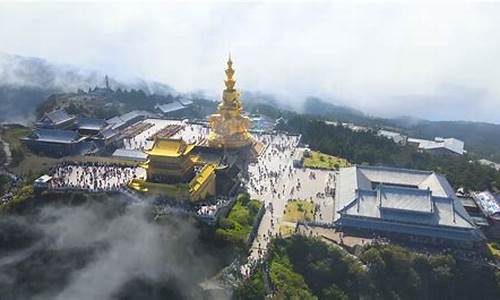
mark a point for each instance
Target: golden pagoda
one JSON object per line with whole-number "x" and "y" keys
{"x": 229, "y": 128}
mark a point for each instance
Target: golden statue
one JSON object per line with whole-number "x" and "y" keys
{"x": 229, "y": 128}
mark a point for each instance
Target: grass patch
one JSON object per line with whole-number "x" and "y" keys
{"x": 298, "y": 210}
{"x": 12, "y": 135}
{"x": 24, "y": 162}
{"x": 318, "y": 160}
{"x": 238, "y": 224}
{"x": 286, "y": 230}
{"x": 33, "y": 165}
{"x": 494, "y": 249}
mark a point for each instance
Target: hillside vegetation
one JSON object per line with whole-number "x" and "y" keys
{"x": 238, "y": 224}
{"x": 307, "y": 268}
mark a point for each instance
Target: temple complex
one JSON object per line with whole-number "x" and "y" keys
{"x": 229, "y": 128}
{"x": 182, "y": 160}
{"x": 174, "y": 169}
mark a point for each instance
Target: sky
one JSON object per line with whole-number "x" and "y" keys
{"x": 435, "y": 61}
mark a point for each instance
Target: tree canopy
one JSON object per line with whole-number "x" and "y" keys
{"x": 307, "y": 268}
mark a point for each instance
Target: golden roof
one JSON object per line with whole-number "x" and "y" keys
{"x": 170, "y": 147}
{"x": 202, "y": 176}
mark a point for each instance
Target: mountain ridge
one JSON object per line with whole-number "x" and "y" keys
{"x": 25, "y": 82}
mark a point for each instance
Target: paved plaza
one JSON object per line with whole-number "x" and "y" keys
{"x": 94, "y": 177}
{"x": 274, "y": 180}
{"x": 190, "y": 133}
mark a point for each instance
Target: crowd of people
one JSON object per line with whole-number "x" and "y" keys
{"x": 267, "y": 180}
{"x": 275, "y": 180}
{"x": 210, "y": 209}
{"x": 93, "y": 176}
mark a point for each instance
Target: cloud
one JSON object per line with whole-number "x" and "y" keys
{"x": 366, "y": 55}
{"x": 97, "y": 250}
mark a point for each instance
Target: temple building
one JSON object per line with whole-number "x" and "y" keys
{"x": 170, "y": 160}
{"x": 57, "y": 119}
{"x": 58, "y": 142}
{"x": 229, "y": 128}
{"x": 415, "y": 206}
{"x": 174, "y": 172}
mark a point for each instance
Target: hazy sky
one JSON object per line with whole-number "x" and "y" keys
{"x": 439, "y": 61}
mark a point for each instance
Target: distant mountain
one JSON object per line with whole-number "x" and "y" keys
{"x": 26, "y": 81}
{"x": 18, "y": 104}
{"x": 408, "y": 121}
{"x": 320, "y": 107}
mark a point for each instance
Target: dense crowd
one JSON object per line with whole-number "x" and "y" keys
{"x": 93, "y": 176}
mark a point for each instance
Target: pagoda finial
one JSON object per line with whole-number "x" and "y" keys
{"x": 229, "y": 75}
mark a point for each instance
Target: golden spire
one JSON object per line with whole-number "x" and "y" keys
{"x": 229, "y": 74}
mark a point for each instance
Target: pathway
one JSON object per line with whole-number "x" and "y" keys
{"x": 8, "y": 153}
{"x": 274, "y": 180}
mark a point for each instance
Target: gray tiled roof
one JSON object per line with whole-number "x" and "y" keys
{"x": 107, "y": 133}
{"x": 91, "y": 124}
{"x": 451, "y": 144}
{"x": 404, "y": 196}
{"x": 170, "y": 107}
{"x": 130, "y": 154}
{"x": 185, "y": 101}
{"x": 58, "y": 116}
{"x": 124, "y": 119}
{"x": 54, "y": 136}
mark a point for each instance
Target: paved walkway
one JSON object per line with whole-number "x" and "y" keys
{"x": 274, "y": 180}
{"x": 6, "y": 150}
{"x": 8, "y": 159}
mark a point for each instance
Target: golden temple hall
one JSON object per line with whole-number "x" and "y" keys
{"x": 171, "y": 172}
{"x": 170, "y": 160}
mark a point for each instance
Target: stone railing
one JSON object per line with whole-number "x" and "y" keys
{"x": 317, "y": 224}
{"x": 255, "y": 226}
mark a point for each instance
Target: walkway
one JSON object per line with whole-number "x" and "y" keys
{"x": 8, "y": 159}
{"x": 274, "y": 180}
{"x": 6, "y": 150}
